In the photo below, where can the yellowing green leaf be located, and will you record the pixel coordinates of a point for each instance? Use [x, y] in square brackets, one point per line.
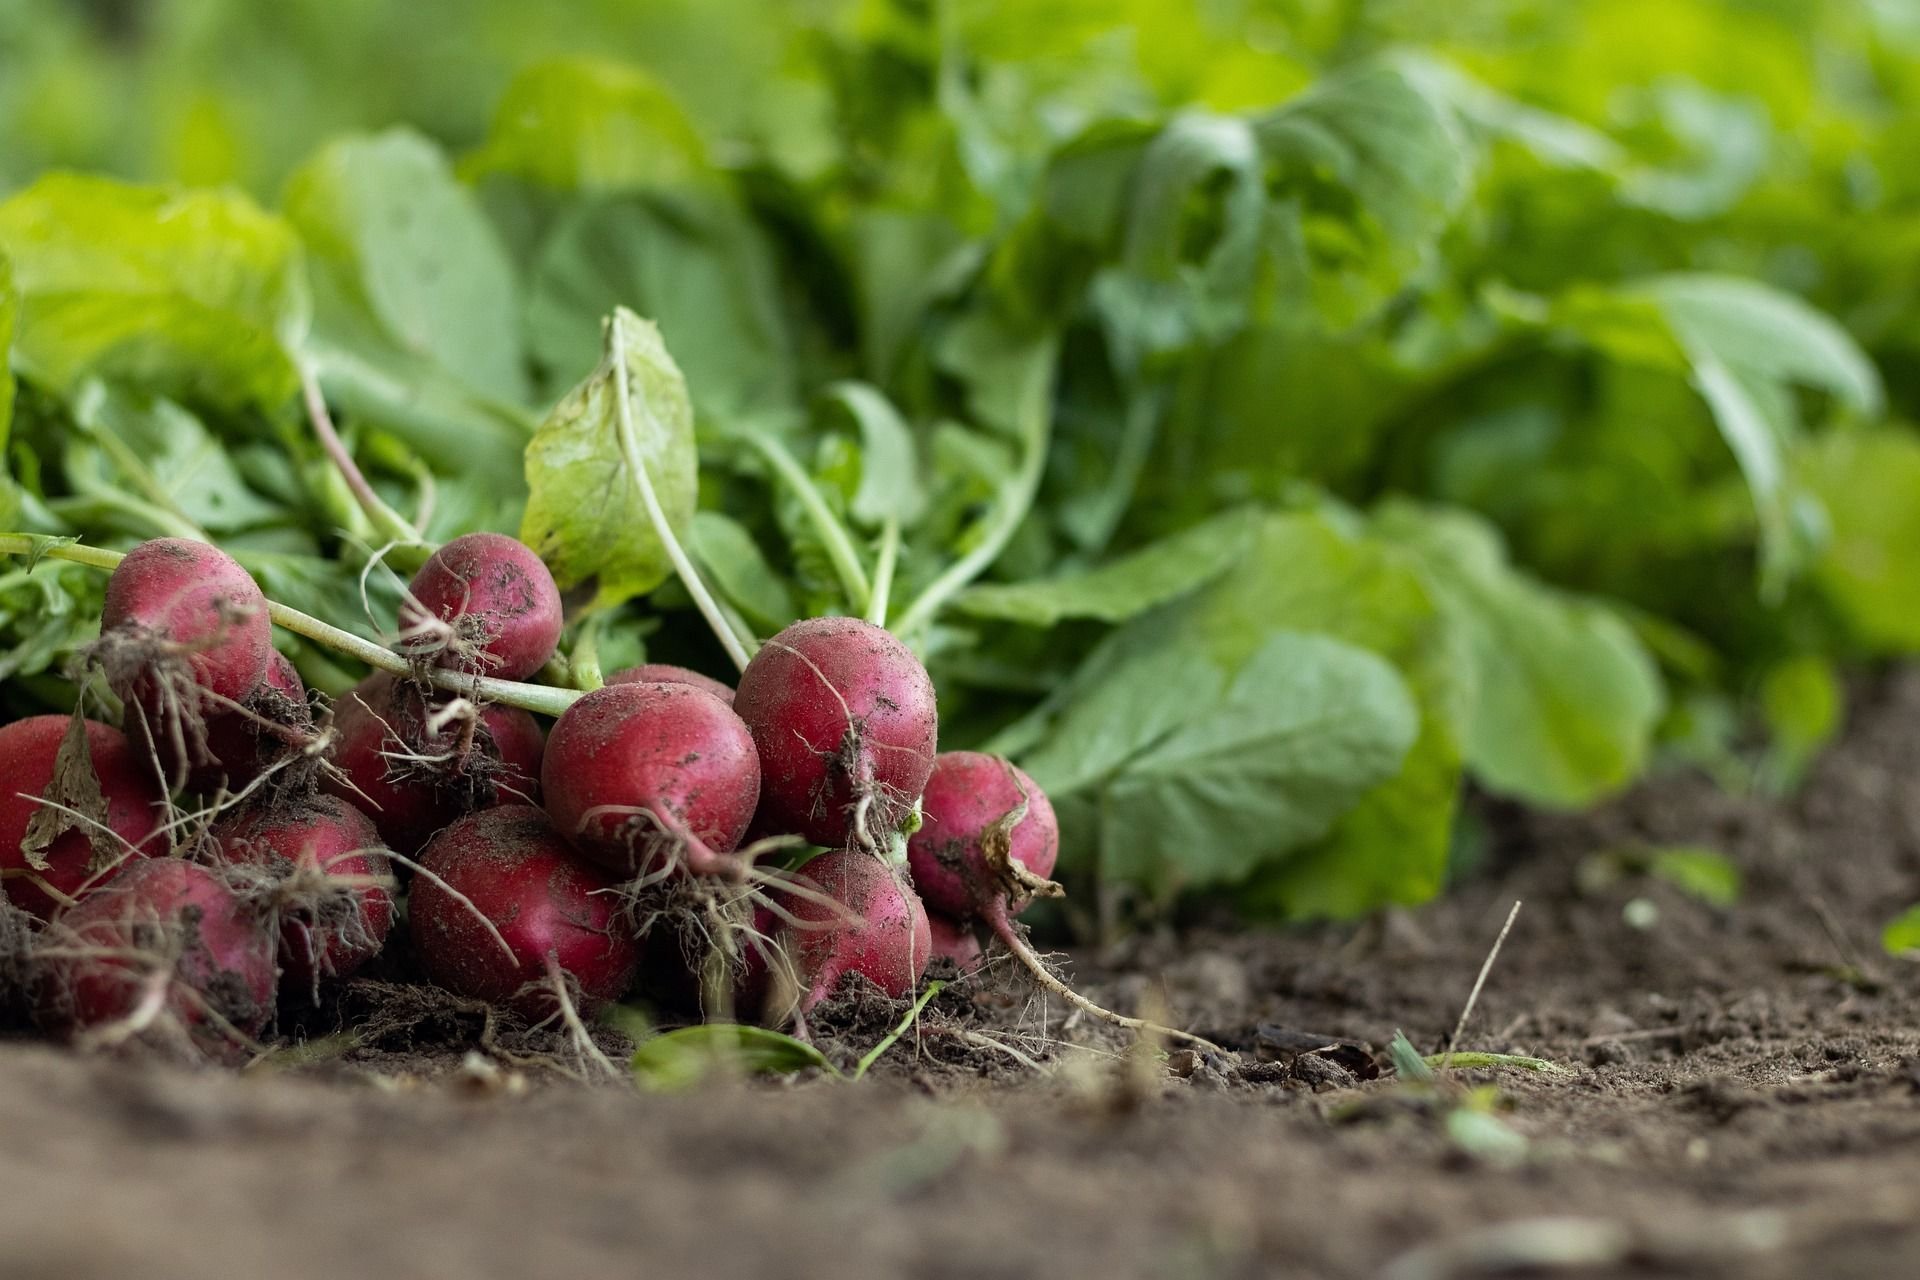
[586, 514]
[194, 294]
[1902, 934]
[680, 1059]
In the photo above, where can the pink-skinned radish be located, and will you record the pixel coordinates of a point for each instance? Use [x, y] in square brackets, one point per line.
[184, 634]
[973, 862]
[955, 941]
[501, 902]
[236, 745]
[863, 918]
[483, 603]
[966, 797]
[318, 868]
[51, 855]
[414, 761]
[846, 724]
[644, 778]
[168, 955]
[667, 673]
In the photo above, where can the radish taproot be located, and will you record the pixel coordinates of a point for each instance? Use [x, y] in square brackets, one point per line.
[667, 673]
[416, 761]
[69, 820]
[844, 717]
[167, 955]
[497, 895]
[483, 603]
[641, 778]
[968, 794]
[321, 872]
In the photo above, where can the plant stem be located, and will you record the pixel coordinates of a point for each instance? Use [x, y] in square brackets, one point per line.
[1036, 429]
[531, 697]
[892, 1037]
[833, 534]
[630, 448]
[883, 572]
[391, 524]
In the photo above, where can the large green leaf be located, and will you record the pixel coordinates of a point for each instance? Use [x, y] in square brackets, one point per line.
[588, 124]
[9, 310]
[1124, 587]
[194, 294]
[691, 261]
[1563, 697]
[1197, 789]
[1869, 565]
[396, 243]
[891, 485]
[164, 453]
[586, 511]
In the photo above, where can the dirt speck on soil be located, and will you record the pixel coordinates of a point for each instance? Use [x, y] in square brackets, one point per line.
[1737, 1094]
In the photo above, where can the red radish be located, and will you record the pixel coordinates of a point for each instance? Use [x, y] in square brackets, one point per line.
[484, 603]
[197, 604]
[667, 673]
[76, 855]
[873, 925]
[968, 797]
[165, 953]
[955, 942]
[845, 720]
[414, 775]
[326, 880]
[236, 746]
[536, 896]
[640, 777]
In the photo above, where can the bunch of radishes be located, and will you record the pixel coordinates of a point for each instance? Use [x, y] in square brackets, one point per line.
[547, 868]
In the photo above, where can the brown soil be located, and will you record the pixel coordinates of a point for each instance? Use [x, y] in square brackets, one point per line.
[1740, 1097]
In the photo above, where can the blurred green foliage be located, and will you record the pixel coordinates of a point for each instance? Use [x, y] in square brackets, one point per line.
[1552, 361]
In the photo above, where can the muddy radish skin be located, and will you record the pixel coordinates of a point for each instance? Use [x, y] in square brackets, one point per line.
[642, 776]
[514, 868]
[236, 748]
[501, 608]
[967, 796]
[135, 810]
[197, 602]
[167, 954]
[324, 873]
[667, 673]
[413, 781]
[881, 933]
[844, 717]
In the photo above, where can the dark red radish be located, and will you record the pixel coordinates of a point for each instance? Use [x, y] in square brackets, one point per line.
[955, 941]
[869, 922]
[483, 603]
[536, 895]
[980, 817]
[845, 720]
[667, 673]
[74, 854]
[236, 746]
[641, 777]
[323, 873]
[167, 955]
[414, 766]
